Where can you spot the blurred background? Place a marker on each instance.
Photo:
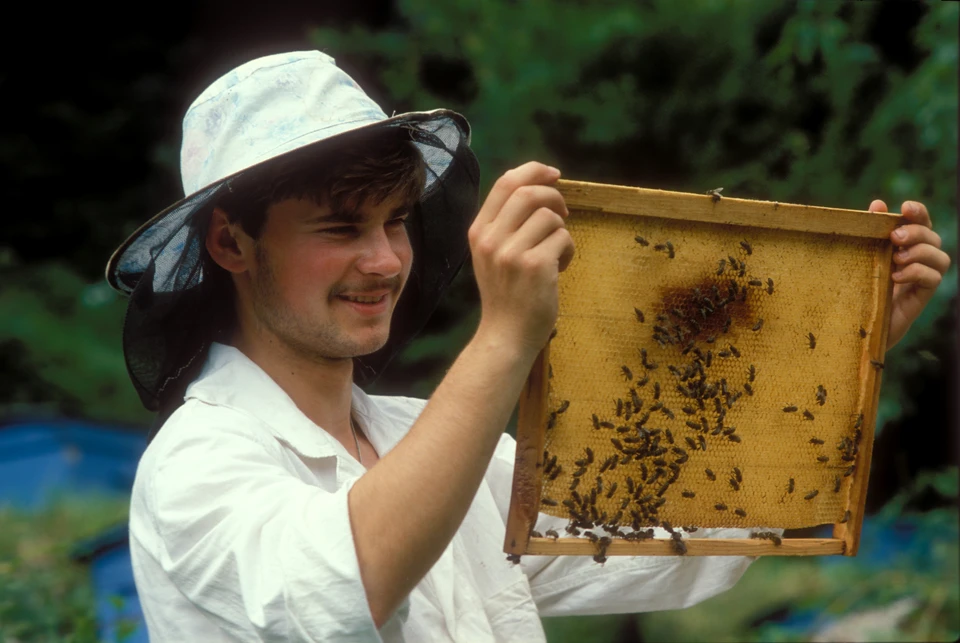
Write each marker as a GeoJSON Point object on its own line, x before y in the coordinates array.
{"type": "Point", "coordinates": [822, 103]}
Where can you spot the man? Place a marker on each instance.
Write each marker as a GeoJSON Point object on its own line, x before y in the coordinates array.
{"type": "Point", "coordinates": [279, 502]}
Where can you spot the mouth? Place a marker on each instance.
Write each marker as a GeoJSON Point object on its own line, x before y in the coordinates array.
{"type": "Point", "coordinates": [370, 303]}
{"type": "Point", "coordinates": [363, 299]}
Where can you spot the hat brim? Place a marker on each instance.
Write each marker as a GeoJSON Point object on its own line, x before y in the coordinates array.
{"type": "Point", "coordinates": [199, 198]}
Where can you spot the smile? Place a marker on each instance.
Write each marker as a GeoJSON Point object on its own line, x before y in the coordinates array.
{"type": "Point", "coordinates": [363, 300]}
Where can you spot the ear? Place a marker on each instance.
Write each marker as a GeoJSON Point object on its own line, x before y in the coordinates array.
{"type": "Point", "coordinates": [228, 244]}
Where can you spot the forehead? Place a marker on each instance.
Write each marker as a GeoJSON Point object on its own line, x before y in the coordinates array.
{"type": "Point", "coordinates": [354, 210]}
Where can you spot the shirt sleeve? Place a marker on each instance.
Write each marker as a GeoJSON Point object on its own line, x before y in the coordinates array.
{"type": "Point", "coordinates": [568, 585]}
{"type": "Point", "coordinates": [267, 556]}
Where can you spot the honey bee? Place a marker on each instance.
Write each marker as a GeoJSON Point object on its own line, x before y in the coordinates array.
{"type": "Point", "coordinates": [555, 473]}
{"type": "Point", "coordinates": [715, 194]}
{"type": "Point", "coordinates": [660, 246]}
{"type": "Point", "coordinates": [811, 495]}
{"type": "Point", "coordinates": [639, 314]}
{"type": "Point", "coordinates": [836, 485]}
{"type": "Point", "coordinates": [612, 490]}
{"type": "Point", "coordinates": [821, 395]}
{"type": "Point", "coordinates": [686, 493]}
{"type": "Point", "coordinates": [709, 358]}
{"type": "Point", "coordinates": [759, 324]}
{"type": "Point", "coordinates": [720, 506]}
{"type": "Point", "coordinates": [596, 422]}
{"type": "Point", "coordinates": [710, 475]}
{"type": "Point", "coordinates": [733, 262]}
{"type": "Point", "coordinates": [669, 433]}
{"type": "Point", "coordinates": [553, 334]}
{"type": "Point", "coordinates": [813, 340]}
{"type": "Point", "coordinates": [737, 474]}
{"type": "Point", "coordinates": [656, 407]}
{"type": "Point", "coordinates": [752, 373]}
{"type": "Point", "coordinates": [816, 441]}
{"type": "Point", "coordinates": [769, 286]}
{"type": "Point", "coordinates": [859, 421]}
{"type": "Point", "coordinates": [790, 409]}
{"type": "Point", "coordinates": [643, 381]}
{"type": "Point", "coordinates": [643, 471]}
{"type": "Point", "coordinates": [551, 533]}
{"type": "Point", "coordinates": [573, 485]}
{"type": "Point", "coordinates": [514, 558]}
{"type": "Point", "coordinates": [733, 349]}
{"type": "Point", "coordinates": [563, 406]}
{"type": "Point", "coordinates": [670, 252]}
{"type": "Point", "coordinates": [740, 512]}
{"type": "Point", "coordinates": [637, 402]}
{"type": "Point", "coordinates": [703, 443]}
{"type": "Point", "coordinates": [846, 516]}
{"type": "Point", "coordinates": [863, 333]}
{"type": "Point", "coordinates": [607, 425]}
{"type": "Point", "coordinates": [748, 388]}
{"type": "Point", "coordinates": [790, 486]}
{"type": "Point", "coordinates": [668, 413]}
{"type": "Point", "coordinates": [849, 471]}
{"type": "Point", "coordinates": [592, 537]}
{"type": "Point", "coordinates": [755, 282]}
{"type": "Point", "coordinates": [643, 242]}
{"type": "Point", "coordinates": [589, 452]}
{"type": "Point", "coordinates": [822, 458]}
{"type": "Point", "coordinates": [627, 373]}
{"type": "Point", "coordinates": [619, 404]}
{"type": "Point", "coordinates": [550, 502]}
{"type": "Point", "coordinates": [734, 484]}
{"type": "Point", "coordinates": [807, 414]}
{"type": "Point", "coordinates": [746, 247]}
{"type": "Point", "coordinates": [734, 438]}
{"type": "Point", "coordinates": [722, 266]}
{"type": "Point", "coordinates": [726, 324]}
{"type": "Point", "coordinates": [877, 365]}
{"type": "Point", "coordinates": [656, 390]}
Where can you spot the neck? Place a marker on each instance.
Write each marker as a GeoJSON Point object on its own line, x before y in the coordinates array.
{"type": "Point", "coordinates": [321, 388]}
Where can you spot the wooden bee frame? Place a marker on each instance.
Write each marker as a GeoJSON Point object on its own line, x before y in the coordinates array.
{"type": "Point", "coordinates": [798, 225]}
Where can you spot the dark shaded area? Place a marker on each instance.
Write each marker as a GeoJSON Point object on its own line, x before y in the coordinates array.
{"type": "Point", "coordinates": [922, 438]}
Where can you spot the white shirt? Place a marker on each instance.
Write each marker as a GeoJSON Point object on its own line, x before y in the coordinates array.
{"type": "Point", "coordinates": [240, 531]}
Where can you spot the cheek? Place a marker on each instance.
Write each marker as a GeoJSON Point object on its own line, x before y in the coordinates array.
{"type": "Point", "coordinates": [307, 272]}
{"type": "Point", "coordinates": [404, 252]}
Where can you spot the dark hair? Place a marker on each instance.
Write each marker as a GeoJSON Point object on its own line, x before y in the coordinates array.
{"type": "Point", "coordinates": [360, 167]}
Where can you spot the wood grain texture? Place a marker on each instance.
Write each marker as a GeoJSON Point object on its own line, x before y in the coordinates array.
{"type": "Point", "coordinates": [528, 464]}
{"type": "Point", "coordinates": [875, 349]}
{"type": "Point", "coordinates": [695, 547]}
{"type": "Point", "coordinates": [686, 206]}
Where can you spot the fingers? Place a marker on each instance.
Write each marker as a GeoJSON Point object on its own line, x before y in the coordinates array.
{"type": "Point", "coordinates": [925, 254]}
{"type": "Point", "coordinates": [540, 225]}
{"type": "Point", "coordinates": [532, 173]}
{"type": "Point", "coordinates": [524, 201]}
{"type": "Point", "coordinates": [916, 212]}
{"type": "Point", "coordinates": [912, 234]}
{"type": "Point", "coordinates": [877, 206]}
{"type": "Point", "coordinates": [920, 274]}
{"type": "Point", "coordinates": [558, 247]}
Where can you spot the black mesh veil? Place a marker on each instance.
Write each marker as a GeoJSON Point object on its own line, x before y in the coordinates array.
{"type": "Point", "coordinates": [179, 304]}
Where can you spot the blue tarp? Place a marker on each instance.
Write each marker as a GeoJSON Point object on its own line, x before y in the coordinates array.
{"type": "Point", "coordinates": [43, 459]}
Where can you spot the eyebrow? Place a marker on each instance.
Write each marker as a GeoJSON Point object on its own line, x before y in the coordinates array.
{"type": "Point", "coordinates": [352, 216]}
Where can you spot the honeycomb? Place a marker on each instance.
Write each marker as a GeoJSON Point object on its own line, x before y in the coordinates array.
{"type": "Point", "coordinates": [707, 374]}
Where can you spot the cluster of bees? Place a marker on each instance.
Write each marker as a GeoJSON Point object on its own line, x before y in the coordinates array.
{"type": "Point", "coordinates": [655, 455]}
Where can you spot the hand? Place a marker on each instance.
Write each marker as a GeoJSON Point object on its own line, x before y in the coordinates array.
{"type": "Point", "coordinates": [921, 265]}
{"type": "Point", "coordinates": [520, 244]}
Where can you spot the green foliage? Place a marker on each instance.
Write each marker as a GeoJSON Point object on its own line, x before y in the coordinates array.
{"type": "Point", "coordinates": [44, 595]}
{"type": "Point", "coordinates": [794, 102]}
{"type": "Point", "coordinates": [60, 346]}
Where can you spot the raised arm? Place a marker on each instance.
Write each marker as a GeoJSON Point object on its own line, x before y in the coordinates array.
{"type": "Point", "coordinates": [423, 488]}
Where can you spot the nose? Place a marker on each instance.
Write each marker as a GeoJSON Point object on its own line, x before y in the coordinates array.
{"type": "Point", "coordinates": [379, 256]}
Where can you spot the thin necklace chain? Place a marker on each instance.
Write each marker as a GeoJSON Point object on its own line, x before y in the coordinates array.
{"type": "Point", "coordinates": [356, 441]}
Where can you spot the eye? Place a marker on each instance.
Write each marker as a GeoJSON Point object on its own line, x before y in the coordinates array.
{"type": "Point", "coordinates": [341, 230]}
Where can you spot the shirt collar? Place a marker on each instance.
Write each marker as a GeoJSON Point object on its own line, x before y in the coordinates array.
{"type": "Point", "coordinates": [230, 378]}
